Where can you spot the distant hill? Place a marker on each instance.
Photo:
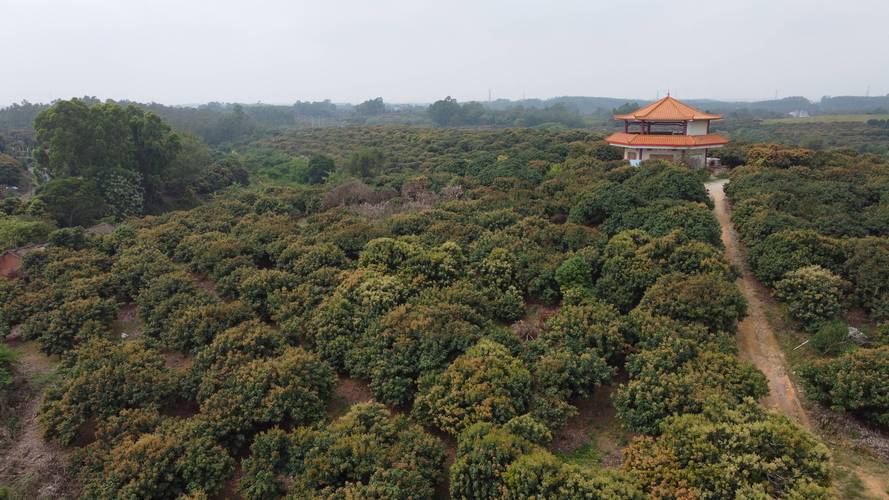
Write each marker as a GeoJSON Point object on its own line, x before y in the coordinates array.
{"type": "Point", "coordinates": [855, 104]}
{"type": "Point", "coordinates": [604, 105]}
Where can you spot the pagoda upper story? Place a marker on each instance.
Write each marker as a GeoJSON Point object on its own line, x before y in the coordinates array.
{"type": "Point", "coordinates": [667, 129]}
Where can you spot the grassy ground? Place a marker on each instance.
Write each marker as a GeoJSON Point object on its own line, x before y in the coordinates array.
{"type": "Point", "coordinates": [29, 466]}
{"type": "Point", "coordinates": [826, 119]}
{"type": "Point", "coordinates": [594, 437]}
{"type": "Point", "coordinates": [852, 462]}
{"type": "Point", "coordinates": [603, 443]}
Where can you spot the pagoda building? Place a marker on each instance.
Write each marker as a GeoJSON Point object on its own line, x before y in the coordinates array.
{"type": "Point", "coordinates": [667, 130]}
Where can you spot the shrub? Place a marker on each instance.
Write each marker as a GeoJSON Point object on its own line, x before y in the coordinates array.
{"type": "Point", "coordinates": [693, 220]}
{"type": "Point", "coordinates": [291, 387]}
{"type": "Point", "coordinates": [692, 257]}
{"type": "Point", "coordinates": [303, 260]}
{"type": "Point", "coordinates": [529, 428]}
{"type": "Point", "coordinates": [367, 453]}
{"type": "Point", "coordinates": [676, 378]}
{"type": "Point", "coordinates": [703, 298]}
{"type": "Point", "coordinates": [773, 155]}
{"type": "Point", "coordinates": [409, 341]}
{"type": "Point", "coordinates": [135, 266]}
{"type": "Point", "coordinates": [103, 379]}
{"type": "Point", "coordinates": [493, 462]}
{"type": "Point", "coordinates": [600, 203]}
{"type": "Point", "coordinates": [541, 475]}
{"type": "Point", "coordinates": [255, 287]}
{"type": "Point", "coordinates": [626, 271]}
{"type": "Point", "coordinates": [484, 452]}
{"type": "Point", "coordinates": [813, 295]}
{"type": "Point", "coordinates": [655, 179]}
{"type": "Point", "coordinates": [231, 349]}
{"type": "Point", "coordinates": [867, 268]}
{"type": "Point", "coordinates": [486, 384]}
{"type": "Point", "coordinates": [587, 326]}
{"type": "Point", "coordinates": [830, 337]}
{"type": "Point", "coordinates": [59, 264]}
{"type": "Point", "coordinates": [580, 270]}
{"type": "Point", "coordinates": [71, 323]}
{"type": "Point", "coordinates": [164, 300]}
{"type": "Point", "coordinates": [204, 251]}
{"type": "Point", "coordinates": [361, 297]}
{"type": "Point", "coordinates": [196, 327]}
{"type": "Point", "coordinates": [140, 454]}
{"type": "Point", "coordinates": [725, 452]}
{"type": "Point", "coordinates": [18, 231]}
{"type": "Point", "coordinates": [291, 308]}
{"type": "Point", "coordinates": [755, 222]}
{"type": "Point", "coordinates": [787, 251]}
{"type": "Point", "coordinates": [857, 382]}
{"type": "Point", "coordinates": [499, 269]}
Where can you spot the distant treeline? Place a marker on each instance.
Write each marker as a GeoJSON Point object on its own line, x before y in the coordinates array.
{"type": "Point", "coordinates": [448, 112]}
{"type": "Point", "coordinates": [219, 123]}
{"type": "Point", "coordinates": [758, 109]}
{"type": "Point", "coordinates": [216, 122]}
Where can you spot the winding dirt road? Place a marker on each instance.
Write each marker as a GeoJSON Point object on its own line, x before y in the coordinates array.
{"type": "Point", "coordinates": [755, 337]}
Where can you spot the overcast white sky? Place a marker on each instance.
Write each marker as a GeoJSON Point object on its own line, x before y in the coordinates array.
{"type": "Point", "coordinates": [191, 51]}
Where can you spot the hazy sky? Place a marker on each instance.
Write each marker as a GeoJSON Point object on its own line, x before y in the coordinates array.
{"type": "Point", "coordinates": [190, 51]}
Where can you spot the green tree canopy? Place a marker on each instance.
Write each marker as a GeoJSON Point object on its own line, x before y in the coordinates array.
{"type": "Point", "coordinates": [746, 452]}
{"type": "Point", "coordinates": [367, 453]}
{"type": "Point", "coordinates": [486, 384]}
{"type": "Point", "coordinates": [371, 107]}
{"type": "Point", "coordinates": [73, 201]}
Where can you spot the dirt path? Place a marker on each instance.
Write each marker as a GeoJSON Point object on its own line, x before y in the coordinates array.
{"type": "Point", "coordinates": [757, 341]}
{"type": "Point", "coordinates": [32, 466]}
{"type": "Point", "coordinates": [755, 337]}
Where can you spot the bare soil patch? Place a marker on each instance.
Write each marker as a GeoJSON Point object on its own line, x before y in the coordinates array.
{"type": "Point", "coordinates": [348, 392]}
{"type": "Point", "coordinates": [353, 390]}
{"type": "Point", "coordinates": [529, 327]}
{"type": "Point", "coordinates": [204, 284]}
{"type": "Point", "coordinates": [175, 360]}
{"type": "Point", "coordinates": [30, 467]}
{"type": "Point", "coordinates": [756, 339]}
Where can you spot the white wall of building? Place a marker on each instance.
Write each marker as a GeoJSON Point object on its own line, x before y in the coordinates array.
{"type": "Point", "coordinates": [697, 128]}
{"type": "Point", "coordinates": [696, 156]}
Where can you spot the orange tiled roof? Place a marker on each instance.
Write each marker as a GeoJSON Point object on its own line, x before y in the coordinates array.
{"type": "Point", "coordinates": [665, 141]}
{"type": "Point", "coordinates": [667, 109]}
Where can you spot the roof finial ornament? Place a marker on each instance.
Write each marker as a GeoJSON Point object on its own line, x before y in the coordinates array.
{"type": "Point", "coordinates": [668, 92]}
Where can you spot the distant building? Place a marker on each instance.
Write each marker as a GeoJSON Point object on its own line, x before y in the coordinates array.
{"type": "Point", "coordinates": [667, 130]}
{"type": "Point", "coordinates": [802, 113]}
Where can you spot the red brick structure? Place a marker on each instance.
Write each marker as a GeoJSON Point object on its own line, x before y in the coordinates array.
{"type": "Point", "coordinates": [11, 260]}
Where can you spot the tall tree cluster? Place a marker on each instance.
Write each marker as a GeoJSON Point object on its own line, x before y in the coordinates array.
{"type": "Point", "coordinates": [100, 159]}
